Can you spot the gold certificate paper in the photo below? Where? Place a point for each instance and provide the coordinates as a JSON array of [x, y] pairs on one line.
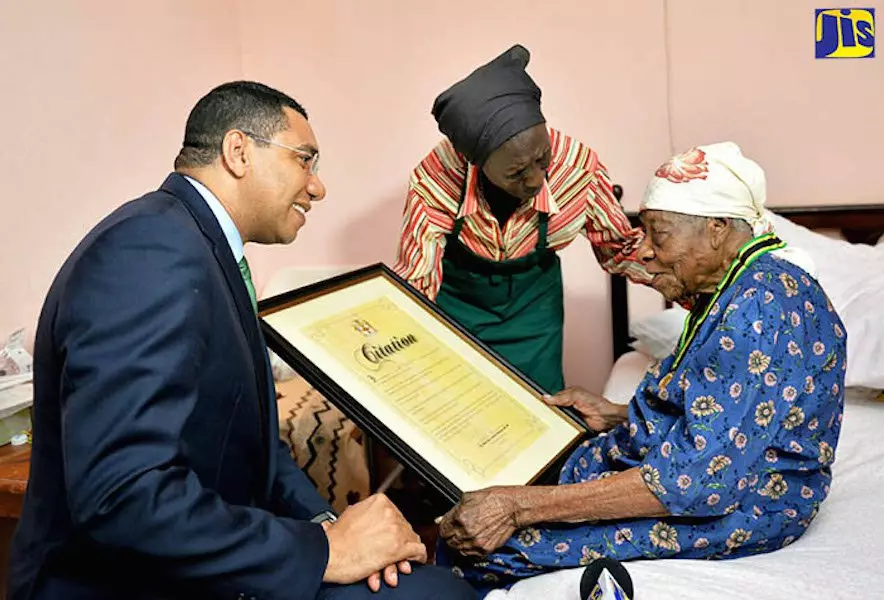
[[474, 422]]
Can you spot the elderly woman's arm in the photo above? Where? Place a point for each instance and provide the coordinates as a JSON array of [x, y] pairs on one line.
[[621, 496], [486, 518], [614, 240]]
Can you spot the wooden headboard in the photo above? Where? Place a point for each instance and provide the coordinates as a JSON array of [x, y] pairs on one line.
[[858, 224]]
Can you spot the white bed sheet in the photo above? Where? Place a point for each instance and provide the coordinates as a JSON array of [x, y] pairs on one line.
[[840, 555]]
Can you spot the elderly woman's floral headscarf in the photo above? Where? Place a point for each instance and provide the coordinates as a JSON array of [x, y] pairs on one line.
[[717, 181]]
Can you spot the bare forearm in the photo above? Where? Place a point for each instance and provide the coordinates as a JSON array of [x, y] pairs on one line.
[[621, 496]]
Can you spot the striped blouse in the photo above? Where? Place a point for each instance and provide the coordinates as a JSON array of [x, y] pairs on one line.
[[577, 195]]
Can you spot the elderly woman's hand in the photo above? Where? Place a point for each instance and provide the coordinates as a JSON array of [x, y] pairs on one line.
[[599, 413], [482, 521]]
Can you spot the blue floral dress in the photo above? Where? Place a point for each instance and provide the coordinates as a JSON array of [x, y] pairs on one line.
[[735, 435]]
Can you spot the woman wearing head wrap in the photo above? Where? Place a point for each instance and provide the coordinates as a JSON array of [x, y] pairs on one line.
[[726, 448], [491, 205]]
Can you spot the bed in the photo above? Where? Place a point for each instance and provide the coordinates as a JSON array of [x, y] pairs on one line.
[[841, 553]]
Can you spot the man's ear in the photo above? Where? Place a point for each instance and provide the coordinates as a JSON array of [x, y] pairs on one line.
[[236, 153], [717, 229]]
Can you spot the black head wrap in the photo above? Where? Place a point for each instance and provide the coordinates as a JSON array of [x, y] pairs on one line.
[[491, 105]]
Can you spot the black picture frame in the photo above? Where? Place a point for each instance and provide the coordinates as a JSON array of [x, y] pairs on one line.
[[369, 424]]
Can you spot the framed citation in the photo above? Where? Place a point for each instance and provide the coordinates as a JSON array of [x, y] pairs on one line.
[[442, 402]]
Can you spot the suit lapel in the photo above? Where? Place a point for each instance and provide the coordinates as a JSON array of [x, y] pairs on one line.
[[179, 187]]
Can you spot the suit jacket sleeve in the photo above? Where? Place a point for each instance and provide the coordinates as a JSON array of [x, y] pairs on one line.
[[133, 327], [294, 494]]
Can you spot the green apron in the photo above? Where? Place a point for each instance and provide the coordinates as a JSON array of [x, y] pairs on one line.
[[516, 306]]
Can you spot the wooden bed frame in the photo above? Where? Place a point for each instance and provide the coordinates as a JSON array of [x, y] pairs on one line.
[[858, 224]]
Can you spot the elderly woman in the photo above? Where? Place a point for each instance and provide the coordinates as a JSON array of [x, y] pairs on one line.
[[726, 448]]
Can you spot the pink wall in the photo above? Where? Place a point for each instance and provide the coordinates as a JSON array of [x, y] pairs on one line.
[[95, 95], [746, 71], [96, 99], [368, 74]]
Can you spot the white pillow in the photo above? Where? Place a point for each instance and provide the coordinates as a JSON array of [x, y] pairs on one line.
[[625, 377], [658, 334], [852, 275], [861, 309]]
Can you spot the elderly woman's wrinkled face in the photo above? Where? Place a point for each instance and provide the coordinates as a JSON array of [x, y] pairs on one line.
[[682, 253]]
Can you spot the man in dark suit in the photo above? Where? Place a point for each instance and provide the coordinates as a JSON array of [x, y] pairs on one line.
[[157, 469]]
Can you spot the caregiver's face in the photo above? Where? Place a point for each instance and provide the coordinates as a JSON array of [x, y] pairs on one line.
[[519, 166]]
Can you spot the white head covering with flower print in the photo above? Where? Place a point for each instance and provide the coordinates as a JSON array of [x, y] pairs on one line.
[[717, 181]]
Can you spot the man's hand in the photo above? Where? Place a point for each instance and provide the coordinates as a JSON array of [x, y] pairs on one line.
[[369, 537], [390, 574], [482, 521], [600, 414]]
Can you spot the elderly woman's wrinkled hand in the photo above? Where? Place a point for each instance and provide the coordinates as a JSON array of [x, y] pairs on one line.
[[482, 521], [599, 413]]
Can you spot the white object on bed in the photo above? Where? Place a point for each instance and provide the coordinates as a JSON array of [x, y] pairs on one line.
[[839, 556], [658, 334], [852, 275], [628, 372]]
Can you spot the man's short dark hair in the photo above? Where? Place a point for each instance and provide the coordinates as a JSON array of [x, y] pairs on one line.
[[244, 105]]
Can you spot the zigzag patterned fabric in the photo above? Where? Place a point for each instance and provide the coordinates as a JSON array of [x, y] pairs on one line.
[[325, 444]]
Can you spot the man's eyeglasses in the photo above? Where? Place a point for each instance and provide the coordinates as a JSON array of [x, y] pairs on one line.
[[309, 160]]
